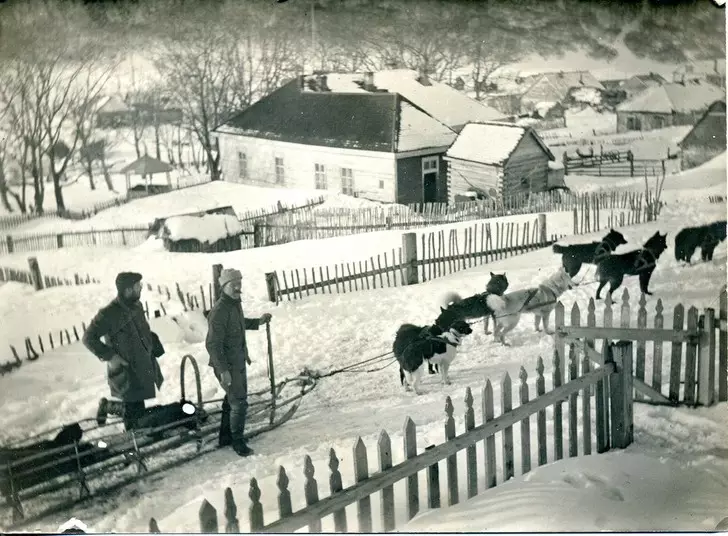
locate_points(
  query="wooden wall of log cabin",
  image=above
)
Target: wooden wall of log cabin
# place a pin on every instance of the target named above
(462, 176)
(527, 161)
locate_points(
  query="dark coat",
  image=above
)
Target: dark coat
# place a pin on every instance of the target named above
(226, 343)
(129, 336)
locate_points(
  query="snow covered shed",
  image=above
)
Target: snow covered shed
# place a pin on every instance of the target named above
(500, 159)
(212, 231)
(707, 138)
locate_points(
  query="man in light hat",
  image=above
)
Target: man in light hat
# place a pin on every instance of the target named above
(130, 351)
(228, 352)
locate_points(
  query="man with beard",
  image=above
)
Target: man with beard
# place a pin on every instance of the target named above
(228, 352)
(130, 350)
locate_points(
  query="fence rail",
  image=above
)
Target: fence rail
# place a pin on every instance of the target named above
(611, 427)
(697, 369)
(613, 163)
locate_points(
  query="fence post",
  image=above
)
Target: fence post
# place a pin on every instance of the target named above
(216, 271)
(270, 284)
(257, 235)
(409, 250)
(9, 240)
(630, 157)
(35, 273)
(565, 159)
(621, 394)
(542, 228)
(706, 359)
(59, 241)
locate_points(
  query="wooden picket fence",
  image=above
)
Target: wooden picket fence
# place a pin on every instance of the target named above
(126, 237)
(317, 223)
(693, 379)
(606, 422)
(614, 163)
(26, 277)
(410, 264)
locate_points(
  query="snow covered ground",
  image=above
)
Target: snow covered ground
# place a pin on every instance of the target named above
(677, 468)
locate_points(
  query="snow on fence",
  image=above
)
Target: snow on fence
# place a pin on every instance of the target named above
(26, 276)
(279, 208)
(616, 164)
(411, 265)
(318, 223)
(604, 421)
(695, 379)
(125, 237)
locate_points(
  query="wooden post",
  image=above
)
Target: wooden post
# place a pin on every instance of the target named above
(706, 359)
(542, 228)
(270, 284)
(216, 271)
(35, 273)
(621, 394)
(723, 347)
(630, 157)
(565, 159)
(59, 241)
(409, 251)
(576, 221)
(257, 235)
(9, 240)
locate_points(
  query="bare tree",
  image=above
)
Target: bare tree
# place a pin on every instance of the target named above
(59, 75)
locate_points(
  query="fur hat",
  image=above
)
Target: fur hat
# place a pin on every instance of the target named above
(228, 275)
(127, 280)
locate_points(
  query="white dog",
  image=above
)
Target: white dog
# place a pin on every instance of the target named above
(539, 301)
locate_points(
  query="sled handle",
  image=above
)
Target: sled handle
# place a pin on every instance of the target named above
(198, 413)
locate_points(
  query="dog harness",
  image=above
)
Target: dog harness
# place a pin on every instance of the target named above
(641, 263)
(605, 247)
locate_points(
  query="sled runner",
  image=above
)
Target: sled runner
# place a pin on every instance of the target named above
(98, 460)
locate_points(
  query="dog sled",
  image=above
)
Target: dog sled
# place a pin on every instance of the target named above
(86, 461)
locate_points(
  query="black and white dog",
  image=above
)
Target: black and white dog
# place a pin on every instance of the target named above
(415, 345)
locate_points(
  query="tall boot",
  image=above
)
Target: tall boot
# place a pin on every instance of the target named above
(238, 413)
(226, 436)
(108, 407)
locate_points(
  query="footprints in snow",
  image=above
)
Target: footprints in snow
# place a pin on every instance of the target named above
(583, 481)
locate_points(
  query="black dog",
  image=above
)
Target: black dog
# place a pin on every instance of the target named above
(412, 346)
(641, 262)
(47, 464)
(167, 415)
(707, 237)
(573, 256)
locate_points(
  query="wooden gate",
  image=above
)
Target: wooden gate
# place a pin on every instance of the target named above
(674, 364)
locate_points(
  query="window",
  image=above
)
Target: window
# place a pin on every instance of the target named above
(320, 177)
(634, 123)
(242, 166)
(659, 122)
(429, 164)
(347, 181)
(280, 171)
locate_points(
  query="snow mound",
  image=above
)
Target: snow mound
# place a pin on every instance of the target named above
(616, 491)
(207, 228)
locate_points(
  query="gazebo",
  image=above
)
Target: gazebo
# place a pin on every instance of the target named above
(146, 166)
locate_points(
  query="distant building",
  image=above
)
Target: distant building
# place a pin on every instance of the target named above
(554, 87)
(640, 82)
(712, 71)
(380, 135)
(707, 139)
(667, 105)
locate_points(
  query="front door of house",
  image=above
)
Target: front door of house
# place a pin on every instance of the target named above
(430, 168)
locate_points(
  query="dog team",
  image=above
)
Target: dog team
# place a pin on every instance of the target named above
(437, 345)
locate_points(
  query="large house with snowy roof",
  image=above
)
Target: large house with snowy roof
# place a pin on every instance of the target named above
(667, 105)
(498, 160)
(554, 87)
(381, 136)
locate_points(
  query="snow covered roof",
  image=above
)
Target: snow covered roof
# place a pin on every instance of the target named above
(207, 228)
(444, 103)
(146, 165)
(563, 81)
(113, 104)
(356, 119)
(716, 66)
(669, 98)
(490, 143)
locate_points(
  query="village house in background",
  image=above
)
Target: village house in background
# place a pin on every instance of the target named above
(497, 160)
(380, 135)
(667, 105)
(712, 71)
(113, 112)
(707, 139)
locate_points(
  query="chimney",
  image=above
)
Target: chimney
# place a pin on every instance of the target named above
(581, 78)
(423, 78)
(369, 81)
